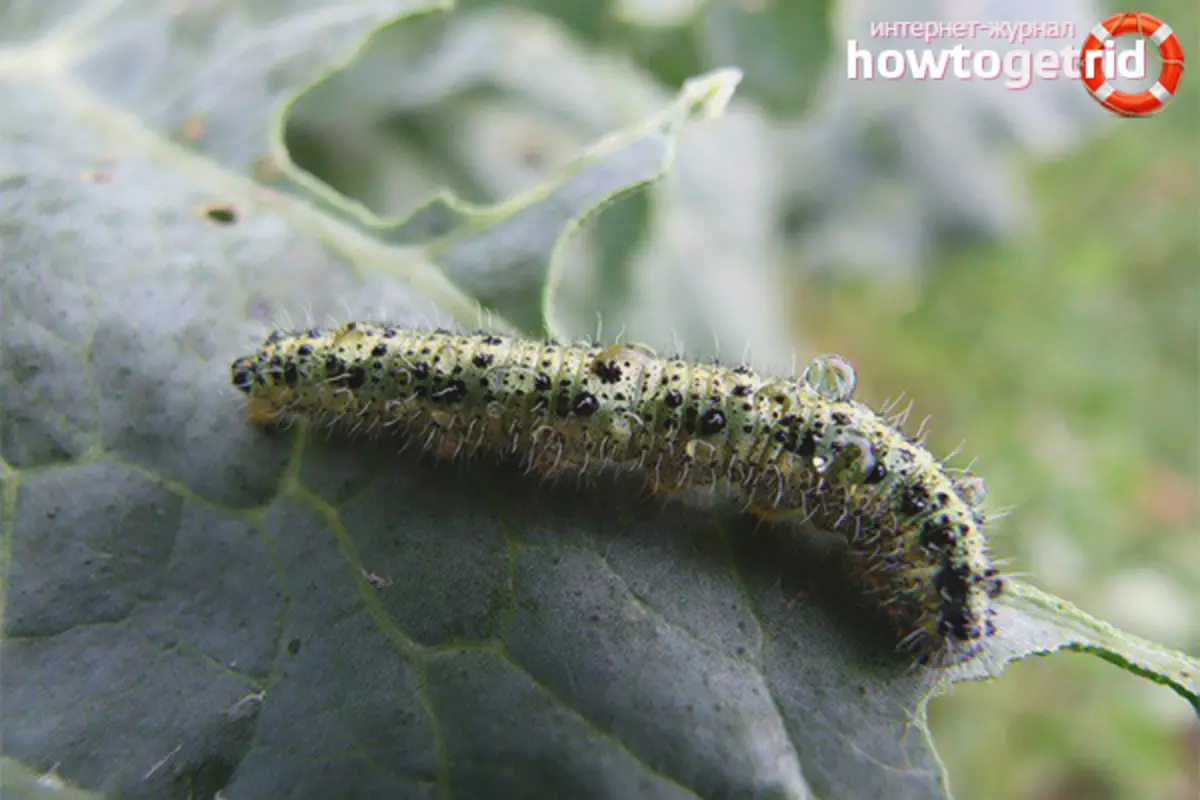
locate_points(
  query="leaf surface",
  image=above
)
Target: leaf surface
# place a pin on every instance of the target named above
(193, 605)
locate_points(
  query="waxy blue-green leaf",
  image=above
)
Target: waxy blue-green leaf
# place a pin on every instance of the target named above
(193, 605)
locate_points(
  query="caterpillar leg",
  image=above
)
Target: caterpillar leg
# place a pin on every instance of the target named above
(442, 440)
(774, 514)
(446, 448)
(553, 472)
(261, 412)
(667, 492)
(551, 464)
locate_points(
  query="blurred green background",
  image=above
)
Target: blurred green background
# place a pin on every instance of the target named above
(1020, 264)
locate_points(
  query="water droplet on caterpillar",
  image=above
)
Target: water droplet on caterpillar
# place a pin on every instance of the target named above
(855, 456)
(832, 377)
(971, 489)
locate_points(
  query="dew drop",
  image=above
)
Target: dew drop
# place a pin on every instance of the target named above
(832, 377)
(971, 489)
(855, 456)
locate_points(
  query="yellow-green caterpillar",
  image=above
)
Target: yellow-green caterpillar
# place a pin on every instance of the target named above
(786, 448)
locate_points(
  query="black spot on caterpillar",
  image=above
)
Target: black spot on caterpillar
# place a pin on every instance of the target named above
(789, 449)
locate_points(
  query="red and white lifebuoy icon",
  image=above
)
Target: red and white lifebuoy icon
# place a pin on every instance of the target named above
(1125, 103)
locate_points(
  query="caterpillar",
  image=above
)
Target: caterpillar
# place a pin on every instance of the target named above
(788, 449)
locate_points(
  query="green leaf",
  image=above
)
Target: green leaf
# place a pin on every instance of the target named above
(19, 782)
(503, 107)
(781, 46)
(1046, 624)
(192, 605)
